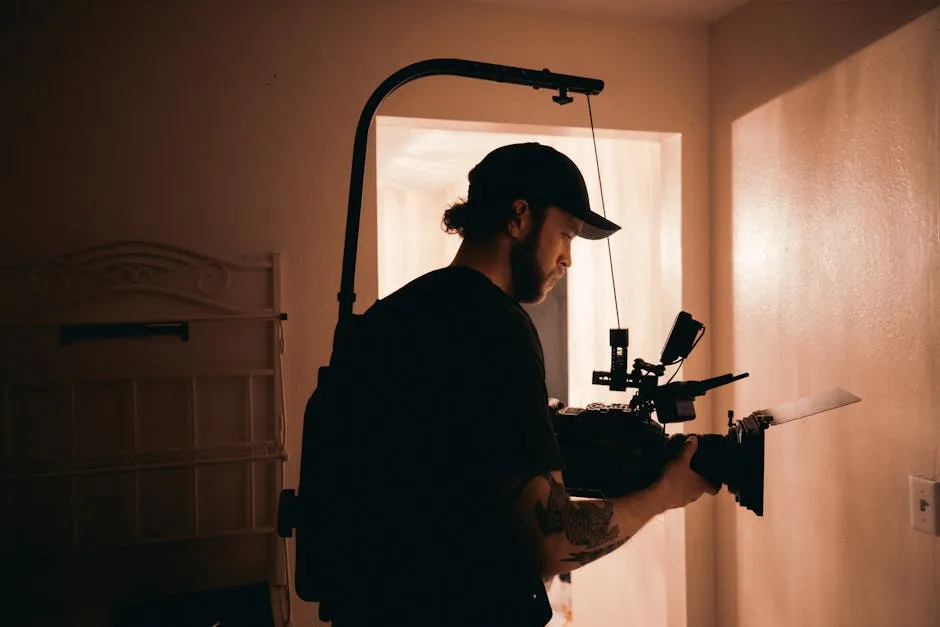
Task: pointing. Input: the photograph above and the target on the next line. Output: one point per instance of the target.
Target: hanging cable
(600, 183)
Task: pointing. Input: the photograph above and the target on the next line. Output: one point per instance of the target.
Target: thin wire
(600, 183)
(681, 361)
(678, 365)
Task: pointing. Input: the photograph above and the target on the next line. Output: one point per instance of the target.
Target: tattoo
(585, 524)
(585, 557)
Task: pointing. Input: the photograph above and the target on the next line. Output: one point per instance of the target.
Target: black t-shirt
(448, 402)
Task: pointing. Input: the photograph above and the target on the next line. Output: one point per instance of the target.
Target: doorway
(422, 168)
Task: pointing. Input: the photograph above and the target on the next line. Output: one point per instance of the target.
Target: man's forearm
(576, 533)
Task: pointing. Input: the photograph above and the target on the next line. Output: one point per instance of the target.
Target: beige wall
(826, 227)
(227, 127)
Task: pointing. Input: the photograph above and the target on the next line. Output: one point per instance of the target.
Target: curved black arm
(452, 67)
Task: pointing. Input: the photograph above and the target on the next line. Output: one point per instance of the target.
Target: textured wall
(827, 253)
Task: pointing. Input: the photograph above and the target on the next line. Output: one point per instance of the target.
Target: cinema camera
(612, 449)
(615, 449)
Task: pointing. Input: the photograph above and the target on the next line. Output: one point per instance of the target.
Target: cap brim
(597, 227)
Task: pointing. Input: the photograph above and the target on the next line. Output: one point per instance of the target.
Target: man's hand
(679, 483)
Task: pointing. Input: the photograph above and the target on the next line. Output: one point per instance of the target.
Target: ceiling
(685, 10)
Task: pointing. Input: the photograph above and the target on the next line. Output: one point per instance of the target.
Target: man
(448, 504)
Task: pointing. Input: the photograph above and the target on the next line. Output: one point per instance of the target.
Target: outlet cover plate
(925, 504)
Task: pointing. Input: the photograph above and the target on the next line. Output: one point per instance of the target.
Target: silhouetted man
(447, 504)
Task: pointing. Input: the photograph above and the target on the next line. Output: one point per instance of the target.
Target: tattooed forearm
(584, 524)
(571, 533)
(586, 557)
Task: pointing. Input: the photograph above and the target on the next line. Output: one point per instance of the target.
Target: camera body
(609, 450)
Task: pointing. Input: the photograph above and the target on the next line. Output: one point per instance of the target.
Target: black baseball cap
(539, 174)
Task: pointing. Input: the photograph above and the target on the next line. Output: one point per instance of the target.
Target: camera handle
(711, 459)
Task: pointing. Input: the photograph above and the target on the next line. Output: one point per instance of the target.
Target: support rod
(433, 67)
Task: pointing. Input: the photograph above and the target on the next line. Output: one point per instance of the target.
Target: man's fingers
(687, 453)
(689, 449)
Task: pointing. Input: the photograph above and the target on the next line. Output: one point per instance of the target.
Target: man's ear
(521, 221)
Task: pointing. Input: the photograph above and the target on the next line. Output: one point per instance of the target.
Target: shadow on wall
(757, 54)
(768, 47)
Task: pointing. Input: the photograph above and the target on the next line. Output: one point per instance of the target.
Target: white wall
(827, 257)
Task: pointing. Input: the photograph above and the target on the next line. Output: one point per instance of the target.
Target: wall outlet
(925, 504)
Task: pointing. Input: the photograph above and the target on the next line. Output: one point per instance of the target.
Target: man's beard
(528, 279)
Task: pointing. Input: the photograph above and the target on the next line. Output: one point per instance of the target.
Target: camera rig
(609, 449)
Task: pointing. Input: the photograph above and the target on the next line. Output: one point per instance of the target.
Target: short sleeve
(508, 430)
